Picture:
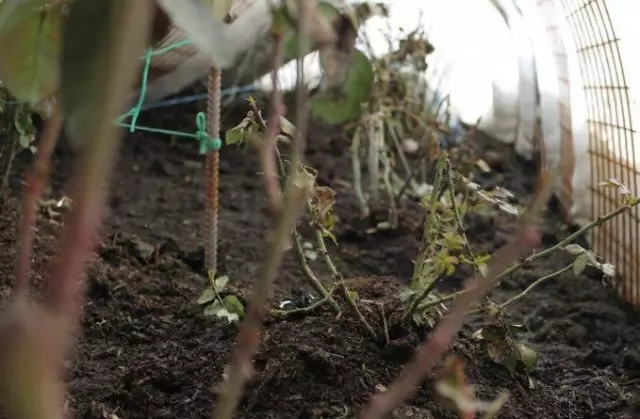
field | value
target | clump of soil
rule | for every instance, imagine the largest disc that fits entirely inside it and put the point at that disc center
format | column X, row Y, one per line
column 146, row 350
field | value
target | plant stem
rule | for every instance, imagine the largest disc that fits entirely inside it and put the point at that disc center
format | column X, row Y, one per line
column 36, row 181
column 570, row 239
column 337, row 275
column 248, row 336
column 426, row 245
column 267, row 148
column 295, row 195
column 535, row 284
column 309, row 275
column 373, row 162
column 297, row 245
column 356, row 168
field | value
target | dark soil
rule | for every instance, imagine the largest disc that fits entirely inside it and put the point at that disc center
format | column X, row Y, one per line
column 147, row 351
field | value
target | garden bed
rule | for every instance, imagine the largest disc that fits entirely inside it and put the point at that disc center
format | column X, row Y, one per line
column 146, row 350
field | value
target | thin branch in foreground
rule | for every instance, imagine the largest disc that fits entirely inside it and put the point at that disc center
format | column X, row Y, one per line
column 441, row 338
column 36, row 181
column 249, row 334
column 267, row 148
column 298, row 186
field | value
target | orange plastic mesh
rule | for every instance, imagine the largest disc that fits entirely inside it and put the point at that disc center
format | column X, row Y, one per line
column 609, row 127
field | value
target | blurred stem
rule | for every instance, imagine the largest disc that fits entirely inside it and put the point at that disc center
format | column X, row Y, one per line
column 37, row 180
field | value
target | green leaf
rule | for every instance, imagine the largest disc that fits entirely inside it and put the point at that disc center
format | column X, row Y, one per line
column 223, row 313
column 30, row 40
column 528, row 357
column 238, row 134
column 490, row 333
column 207, row 296
column 580, row 263
column 406, row 294
column 339, row 107
column 233, row 305
column 213, row 309
column 221, row 282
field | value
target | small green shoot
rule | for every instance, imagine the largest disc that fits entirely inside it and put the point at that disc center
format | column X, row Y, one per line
column 503, row 348
column 228, row 307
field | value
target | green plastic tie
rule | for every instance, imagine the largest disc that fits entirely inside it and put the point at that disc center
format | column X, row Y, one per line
column 207, row 144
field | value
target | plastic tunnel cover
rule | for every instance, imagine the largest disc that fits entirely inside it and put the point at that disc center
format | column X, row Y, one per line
column 469, row 62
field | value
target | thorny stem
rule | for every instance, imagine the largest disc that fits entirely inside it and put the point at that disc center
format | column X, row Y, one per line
column 249, row 334
column 36, row 181
column 212, row 168
column 432, row 350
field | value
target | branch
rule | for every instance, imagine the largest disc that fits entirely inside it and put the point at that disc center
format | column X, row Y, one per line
column 570, row 239
column 299, row 184
column 267, row 148
column 36, row 181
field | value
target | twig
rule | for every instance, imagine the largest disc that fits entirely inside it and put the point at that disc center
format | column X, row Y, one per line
column 385, row 325
column 309, row 275
column 356, row 168
column 337, row 276
column 570, row 239
column 306, row 269
column 36, row 181
column 267, row 148
column 248, row 336
column 295, row 196
column 431, row 351
column 533, row 285
column 312, row 307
